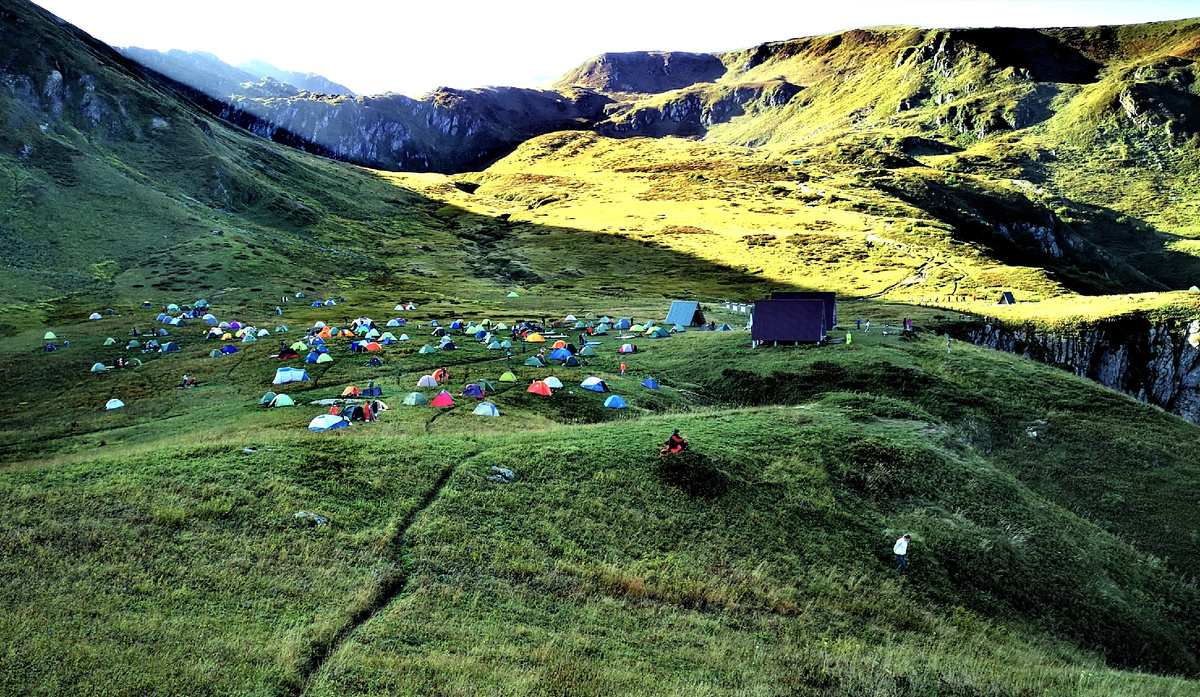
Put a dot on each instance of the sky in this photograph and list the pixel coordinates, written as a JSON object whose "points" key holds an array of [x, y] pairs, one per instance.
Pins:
{"points": [[411, 47]]}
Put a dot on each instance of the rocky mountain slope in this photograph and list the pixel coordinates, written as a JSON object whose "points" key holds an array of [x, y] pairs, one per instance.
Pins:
{"points": [[219, 80]]}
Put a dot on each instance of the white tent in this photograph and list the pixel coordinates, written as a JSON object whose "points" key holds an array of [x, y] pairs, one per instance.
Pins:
{"points": [[114, 403], [286, 375]]}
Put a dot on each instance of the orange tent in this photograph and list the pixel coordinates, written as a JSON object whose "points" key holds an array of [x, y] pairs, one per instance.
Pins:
{"points": [[439, 375], [345, 333], [535, 338], [559, 344], [443, 400], [325, 333], [373, 346], [539, 387], [351, 391]]}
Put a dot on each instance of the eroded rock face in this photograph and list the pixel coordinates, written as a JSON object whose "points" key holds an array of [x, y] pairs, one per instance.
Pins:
{"points": [[644, 72], [691, 112], [1157, 364]]}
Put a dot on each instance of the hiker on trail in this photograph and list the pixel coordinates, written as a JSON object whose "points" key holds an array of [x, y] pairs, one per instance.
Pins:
{"points": [[622, 367], [901, 550], [859, 327], [868, 329], [676, 443]]}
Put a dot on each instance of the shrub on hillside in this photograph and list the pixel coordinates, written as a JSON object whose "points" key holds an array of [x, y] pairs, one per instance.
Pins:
{"points": [[698, 475]]}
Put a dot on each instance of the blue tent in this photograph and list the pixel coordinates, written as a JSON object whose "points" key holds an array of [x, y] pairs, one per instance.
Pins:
{"points": [[286, 375], [472, 390], [481, 333], [50, 347], [650, 383], [622, 324], [456, 325], [535, 362], [330, 303], [393, 323], [325, 422], [210, 320], [316, 303], [162, 318], [227, 348], [486, 409], [170, 346], [321, 348], [433, 323], [594, 384], [560, 354], [312, 357], [614, 402]]}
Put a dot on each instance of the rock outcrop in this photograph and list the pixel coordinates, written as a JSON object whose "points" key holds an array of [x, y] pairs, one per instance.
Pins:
{"points": [[1155, 363]]}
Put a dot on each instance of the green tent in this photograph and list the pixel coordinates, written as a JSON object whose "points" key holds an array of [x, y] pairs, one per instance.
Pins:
{"points": [[508, 377], [486, 385], [637, 328], [299, 346], [49, 336], [535, 362], [136, 361], [494, 346], [677, 329], [134, 344], [415, 399], [506, 344], [580, 325], [98, 368], [267, 398], [501, 326], [324, 358], [283, 401], [109, 341], [587, 351], [363, 329], [386, 336], [427, 349], [602, 329], [215, 354], [172, 308], [281, 328], [513, 294], [660, 333]]}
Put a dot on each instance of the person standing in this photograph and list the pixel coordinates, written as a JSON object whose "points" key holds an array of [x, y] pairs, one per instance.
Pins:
{"points": [[868, 329], [859, 327], [901, 551], [622, 367]]}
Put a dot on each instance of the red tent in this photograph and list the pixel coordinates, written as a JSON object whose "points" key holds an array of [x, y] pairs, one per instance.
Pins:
{"points": [[539, 387], [442, 400], [374, 347]]}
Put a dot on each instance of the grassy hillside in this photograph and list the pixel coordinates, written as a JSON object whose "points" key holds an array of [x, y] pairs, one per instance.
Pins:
{"points": [[1047, 513]]}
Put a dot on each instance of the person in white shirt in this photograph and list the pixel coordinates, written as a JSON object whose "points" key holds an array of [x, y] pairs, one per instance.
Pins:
{"points": [[901, 550]]}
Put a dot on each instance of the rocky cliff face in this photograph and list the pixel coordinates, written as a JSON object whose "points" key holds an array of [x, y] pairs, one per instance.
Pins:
{"points": [[1155, 363], [692, 111]]}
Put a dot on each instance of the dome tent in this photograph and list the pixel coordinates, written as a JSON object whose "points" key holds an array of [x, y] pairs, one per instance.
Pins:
{"points": [[426, 381], [113, 403], [486, 409], [266, 399], [614, 402], [415, 399], [553, 382], [442, 400], [326, 422], [99, 367], [539, 387], [508, 377], [650, 383], [594, 384]]}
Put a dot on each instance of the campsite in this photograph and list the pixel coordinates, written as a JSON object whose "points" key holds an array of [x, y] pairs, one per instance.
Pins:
{"points": [[855, 365]]}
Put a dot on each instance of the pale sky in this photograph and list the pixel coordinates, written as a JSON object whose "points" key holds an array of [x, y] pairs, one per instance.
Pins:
{"points": [[411, 47]]}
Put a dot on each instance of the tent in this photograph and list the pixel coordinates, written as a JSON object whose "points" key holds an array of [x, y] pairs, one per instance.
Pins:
{"points": [[99, 368], [114, 403], [49, 336], [215, 354], [685, 313], [282, 401], [427, 349], [486, 385], [600, 330], [481, 333], [374, 362], [472, 390], [637, 328], [535, 338], [403, 337], [724, 328], [263, 332], [553, 382], [354, 413], [228, 349], [267, 399], [110, 341], [556, 324], [373, 347], [426, 381], [535, 362], [614, 402], [327, 422], [650, 383], [286, 375], [539, 387], [580, 325], [330, 303], [456, 324], [594, 384], [571, 362], [415, 399], [587, 351], [508, 377], [161, 332], [500, 326], [660, 333], [351, 391], [678, 329], [312, 357], [393, 323], [298, 346], [622, 324], [235, 325], [559, 344], [95, 315], [324, 358], [513, 294], [134, 344], [447, 345], [506, 344], [170, 346], [209, 319], [569, 318], [494, 346], [442, 400], [248, 338], [486, 409], [560, 354], [386, 337], [281, 328], [223, 325], [433, 323], [1006, 298], [627, 348]]}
